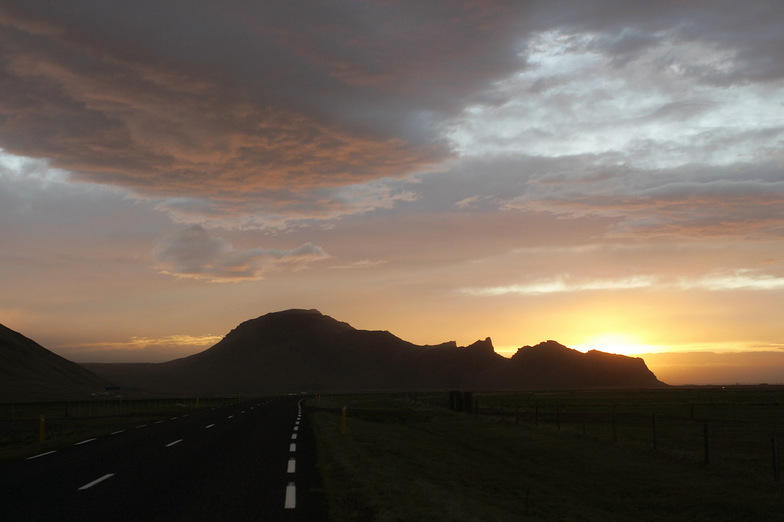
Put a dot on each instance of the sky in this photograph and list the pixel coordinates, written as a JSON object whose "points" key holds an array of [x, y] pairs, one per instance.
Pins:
{"points": [[604, 173]]}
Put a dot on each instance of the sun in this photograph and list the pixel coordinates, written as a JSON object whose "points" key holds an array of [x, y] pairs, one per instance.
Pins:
{"points": [[621, 344]]}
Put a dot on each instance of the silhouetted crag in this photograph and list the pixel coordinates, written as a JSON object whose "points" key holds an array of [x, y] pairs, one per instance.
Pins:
{"points": [[28, 372], [303, 350]]}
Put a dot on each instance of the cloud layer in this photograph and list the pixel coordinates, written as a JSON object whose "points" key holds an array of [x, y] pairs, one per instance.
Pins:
{"points": [[192, 252]]}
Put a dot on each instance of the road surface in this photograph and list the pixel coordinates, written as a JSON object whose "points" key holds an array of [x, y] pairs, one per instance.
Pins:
{"points": [[252, 460]]}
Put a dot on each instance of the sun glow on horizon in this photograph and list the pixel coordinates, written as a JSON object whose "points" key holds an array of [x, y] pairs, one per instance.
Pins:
{"points": [[617, 343]]}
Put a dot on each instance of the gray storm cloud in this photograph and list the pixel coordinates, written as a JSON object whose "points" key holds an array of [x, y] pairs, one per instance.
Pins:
{"points": [[229, 98], [270, 113]]}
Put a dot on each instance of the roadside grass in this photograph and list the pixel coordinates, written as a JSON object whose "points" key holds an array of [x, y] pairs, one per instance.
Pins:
{"points": [[401, 461], [71, 422]]}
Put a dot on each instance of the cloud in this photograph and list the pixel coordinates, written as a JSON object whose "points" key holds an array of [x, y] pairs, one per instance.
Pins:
{"points": [[563, 284], [740, 279], [141, 349], [187, 99], [193, 253]]}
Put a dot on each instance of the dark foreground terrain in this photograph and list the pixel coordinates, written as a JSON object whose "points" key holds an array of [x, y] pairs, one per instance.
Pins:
{"points": [[554, 456]]}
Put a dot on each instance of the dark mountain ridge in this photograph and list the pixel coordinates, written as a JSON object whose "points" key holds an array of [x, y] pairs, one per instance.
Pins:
{"points": [[304, 350], [28, 371]]}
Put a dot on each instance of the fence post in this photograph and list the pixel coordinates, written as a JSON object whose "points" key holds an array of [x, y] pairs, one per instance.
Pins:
{"points": [[775, 458]]}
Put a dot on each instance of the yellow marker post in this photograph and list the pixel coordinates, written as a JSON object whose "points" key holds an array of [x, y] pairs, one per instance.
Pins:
{"points": [[43, 429], [343, 421]]}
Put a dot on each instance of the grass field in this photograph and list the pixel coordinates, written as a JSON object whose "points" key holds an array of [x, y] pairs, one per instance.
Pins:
{"points": [[553, 456]]}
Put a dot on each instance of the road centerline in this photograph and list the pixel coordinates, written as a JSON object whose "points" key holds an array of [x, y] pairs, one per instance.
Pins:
{"points": [[291, 496]]}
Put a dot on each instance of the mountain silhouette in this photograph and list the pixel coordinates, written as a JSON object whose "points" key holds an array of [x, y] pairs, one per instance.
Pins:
{"points": [[28, 371], [304, 350]]}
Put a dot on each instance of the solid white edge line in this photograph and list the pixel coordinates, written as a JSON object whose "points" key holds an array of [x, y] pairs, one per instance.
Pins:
{"points": [[41, 455], [96, 481], [84, 442], [291, 496], [169, 445]]}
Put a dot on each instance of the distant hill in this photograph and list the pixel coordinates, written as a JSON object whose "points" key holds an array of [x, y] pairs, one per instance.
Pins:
{"points": [[304, 350], [28, 372]]}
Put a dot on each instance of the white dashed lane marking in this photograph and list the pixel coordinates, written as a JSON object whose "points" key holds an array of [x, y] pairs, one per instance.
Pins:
{"points": [[96, 481], [41, 455], [291, 496], [169, 445]]}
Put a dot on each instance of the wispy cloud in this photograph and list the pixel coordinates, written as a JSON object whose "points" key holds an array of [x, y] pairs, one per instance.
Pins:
{"points": [[737, 280], [562, 284], [143, 343], [193, 253], [138, 349]]}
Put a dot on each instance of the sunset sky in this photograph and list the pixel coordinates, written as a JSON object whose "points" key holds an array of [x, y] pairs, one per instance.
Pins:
{"points": [[607, 174]]}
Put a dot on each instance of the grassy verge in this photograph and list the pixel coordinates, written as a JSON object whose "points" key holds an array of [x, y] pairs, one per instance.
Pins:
{"points": [[398, 461]]}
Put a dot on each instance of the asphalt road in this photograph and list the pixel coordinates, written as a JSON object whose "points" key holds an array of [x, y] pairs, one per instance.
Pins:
{"points": [[253, 460]]}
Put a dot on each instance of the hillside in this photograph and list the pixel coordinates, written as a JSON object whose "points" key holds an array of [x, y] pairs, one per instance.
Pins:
{"points": [[29, 372], [304, 350]]}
